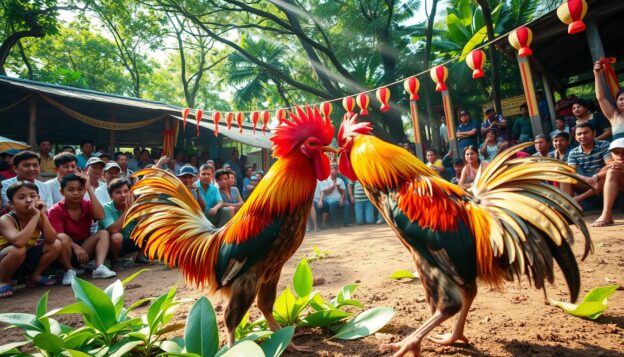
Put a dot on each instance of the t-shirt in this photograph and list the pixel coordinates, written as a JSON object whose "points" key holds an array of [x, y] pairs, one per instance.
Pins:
{"points": [[491, 151], [211, 196], [437, 165], [54, 186], [599, 122], [102, 194], [111, 215], [233, 195], [334, 195], [500, 132], [557, 131], [522, 127], [47, 165], [44, 192], [81, 161], [555, 155], [62, 222], [100, 184], [32, 240], [470, 140], [590, 163], [358, 191]]}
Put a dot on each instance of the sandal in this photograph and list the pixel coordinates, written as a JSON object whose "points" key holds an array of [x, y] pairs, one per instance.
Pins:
{"points": [[42, 282], [6, 291], [602, 223]]}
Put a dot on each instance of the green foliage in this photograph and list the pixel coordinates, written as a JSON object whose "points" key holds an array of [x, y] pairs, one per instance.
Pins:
{"points": [[404, 274], [317, 254], [366, 323], [593, 304]]}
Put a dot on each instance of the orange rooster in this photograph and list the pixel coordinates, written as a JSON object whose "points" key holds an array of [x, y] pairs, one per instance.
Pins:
{"points": [[244, 258], [511, 222]]}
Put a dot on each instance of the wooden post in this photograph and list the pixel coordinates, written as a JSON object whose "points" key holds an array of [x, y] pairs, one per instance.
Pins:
{"points": [[32, 122], [450, 124], [529, 94], [265, 160], [548, 94], [597, 51], [416, 127]]}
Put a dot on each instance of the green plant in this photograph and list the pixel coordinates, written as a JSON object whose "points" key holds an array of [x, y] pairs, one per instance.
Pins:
{"points": [[317, 254], [593, 304], [404, 274]]}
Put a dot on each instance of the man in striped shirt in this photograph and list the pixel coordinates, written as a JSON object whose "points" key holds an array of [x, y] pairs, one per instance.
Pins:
{"points": [[588, 158]]}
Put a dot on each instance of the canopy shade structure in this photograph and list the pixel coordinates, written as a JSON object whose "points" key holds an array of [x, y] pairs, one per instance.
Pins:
{"points": [[8, 144]]}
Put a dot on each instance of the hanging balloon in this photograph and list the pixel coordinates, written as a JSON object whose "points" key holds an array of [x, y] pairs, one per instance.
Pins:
{"points": [[348, 103], [362, 102], [412, 85], [185, 113], [520, 39], [326, 108], [198, 116], [229, 117], [266, 116], [439, 75], [572, 13], [383, 95], [281, 115], [255, 116], [240, 116], [216, 116], [475, 60]]}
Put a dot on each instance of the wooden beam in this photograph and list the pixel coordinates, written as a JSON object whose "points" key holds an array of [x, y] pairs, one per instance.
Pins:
{"points": [[32, 122], [548, 94]]}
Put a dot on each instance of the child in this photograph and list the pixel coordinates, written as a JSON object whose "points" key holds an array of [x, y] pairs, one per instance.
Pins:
{"points": [[72, 219], [20, 231]]}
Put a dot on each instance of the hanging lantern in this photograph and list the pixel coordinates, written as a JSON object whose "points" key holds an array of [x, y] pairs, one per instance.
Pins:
{"points": [[198, 116], [229, 117], [185, 113], [239, 120], [255, 116], [280, 115], [348, 103], [439, 75], [412, 85], [572, 13], [383, 95], [362, 102], [326, 108], [520, 39], [475, 60], [216, 116], [266, 116]]}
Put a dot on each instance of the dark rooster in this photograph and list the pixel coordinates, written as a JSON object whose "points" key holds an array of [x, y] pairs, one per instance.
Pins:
{"points": [[511, 222], [244, 258]]}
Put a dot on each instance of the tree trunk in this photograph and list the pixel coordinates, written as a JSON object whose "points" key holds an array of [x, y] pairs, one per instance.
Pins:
{"points": [[432, 122], [7, 45], [487, 16]]}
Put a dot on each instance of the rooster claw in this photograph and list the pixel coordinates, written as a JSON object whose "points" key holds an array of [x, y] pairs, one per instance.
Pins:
{"points": [[298, 348], [402, 348], [448, 339]]}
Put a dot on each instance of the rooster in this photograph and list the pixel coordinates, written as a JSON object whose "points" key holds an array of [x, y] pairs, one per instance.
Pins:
{"points": [[511, 222], [244, 258]]}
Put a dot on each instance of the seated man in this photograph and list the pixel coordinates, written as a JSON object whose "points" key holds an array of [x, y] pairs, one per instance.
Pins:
{"points": [[561, 143], [114, 214], [72, 219], [542, 145], [111, 171], [588, 159], [20, 231], [458, 167], [613, 174], [433, 162], [27, 168], [232, 199], [333, 196], [214, 208], [64, 163]]}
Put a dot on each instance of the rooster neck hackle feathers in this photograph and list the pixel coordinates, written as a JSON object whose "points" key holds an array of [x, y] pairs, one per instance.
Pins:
{"points": [[305, 123]]}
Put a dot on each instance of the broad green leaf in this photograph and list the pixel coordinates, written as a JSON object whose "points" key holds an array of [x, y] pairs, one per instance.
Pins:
{"points": [[202, 334], [473, 42], [244, 349], [156, 314], [275, 345], [283, 307], [140, 303], [593, 304], [344, 296], [11, 348], [366, 323], [465, 12], [75, 308], [302, 279], [75, 353], [174, 346], [122, 348], [131, 277], [170, 328], [115, 292], [319, 304], [24, 321], [403, 274], [125, 325], [254, 336], [102, 310], [78, 339], [48, 342], [41, 310], [324, 318]]}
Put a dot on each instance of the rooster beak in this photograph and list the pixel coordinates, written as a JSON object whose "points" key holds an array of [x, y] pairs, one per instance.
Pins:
{"points": [[330, 149]]}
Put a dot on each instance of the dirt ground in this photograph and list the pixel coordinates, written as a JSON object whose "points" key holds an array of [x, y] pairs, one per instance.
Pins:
{"points": [[515, 322]]}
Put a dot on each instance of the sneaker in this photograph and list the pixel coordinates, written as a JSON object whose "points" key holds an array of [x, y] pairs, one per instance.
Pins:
{"points": [[68, 277], [102, 272]]}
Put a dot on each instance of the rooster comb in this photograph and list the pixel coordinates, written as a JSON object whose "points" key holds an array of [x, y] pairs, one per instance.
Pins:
{"points": [[350, 127], [304, 123]]}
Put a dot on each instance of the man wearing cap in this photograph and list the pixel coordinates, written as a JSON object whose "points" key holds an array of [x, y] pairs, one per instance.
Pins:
{"points": [[496, 122], [466, 132], [27, 168], [188, 176], [7, 169], [112, 170], [95, 171], [613, 174]]}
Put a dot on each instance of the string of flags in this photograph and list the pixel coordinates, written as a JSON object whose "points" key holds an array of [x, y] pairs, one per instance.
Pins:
{"points": [[571, 12]]}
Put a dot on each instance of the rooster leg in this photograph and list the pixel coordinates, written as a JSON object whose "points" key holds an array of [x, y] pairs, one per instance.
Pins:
{"points": [[411, 344], [266, 298], [241, 295], [458, 330]]}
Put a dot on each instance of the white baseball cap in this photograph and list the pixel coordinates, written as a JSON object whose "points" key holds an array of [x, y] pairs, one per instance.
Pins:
{"points": [[617, 144]]}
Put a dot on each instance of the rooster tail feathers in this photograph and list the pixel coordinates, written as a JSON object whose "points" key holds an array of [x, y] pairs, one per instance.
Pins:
{"points": [[528, 218], [172, 227]]}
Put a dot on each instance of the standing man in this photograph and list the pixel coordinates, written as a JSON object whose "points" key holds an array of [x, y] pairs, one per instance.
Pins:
{"points": [[444, 137], [86, 151], [27, 168], [466, 132], [522, 130], [235, 166], [47, 161], [122, 159]]}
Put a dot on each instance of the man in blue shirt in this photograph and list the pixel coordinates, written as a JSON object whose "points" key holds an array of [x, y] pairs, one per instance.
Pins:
{"points": [[466, 132], [86, 149], [495, 122], [215, 209]]}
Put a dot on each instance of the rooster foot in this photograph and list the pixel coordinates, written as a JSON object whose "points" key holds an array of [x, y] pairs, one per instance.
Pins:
{"points": [[298, 348], [448, 339], [410, 345]]}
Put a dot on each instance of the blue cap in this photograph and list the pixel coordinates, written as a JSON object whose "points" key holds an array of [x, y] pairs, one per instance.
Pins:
{"points": [[187, 170]]}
